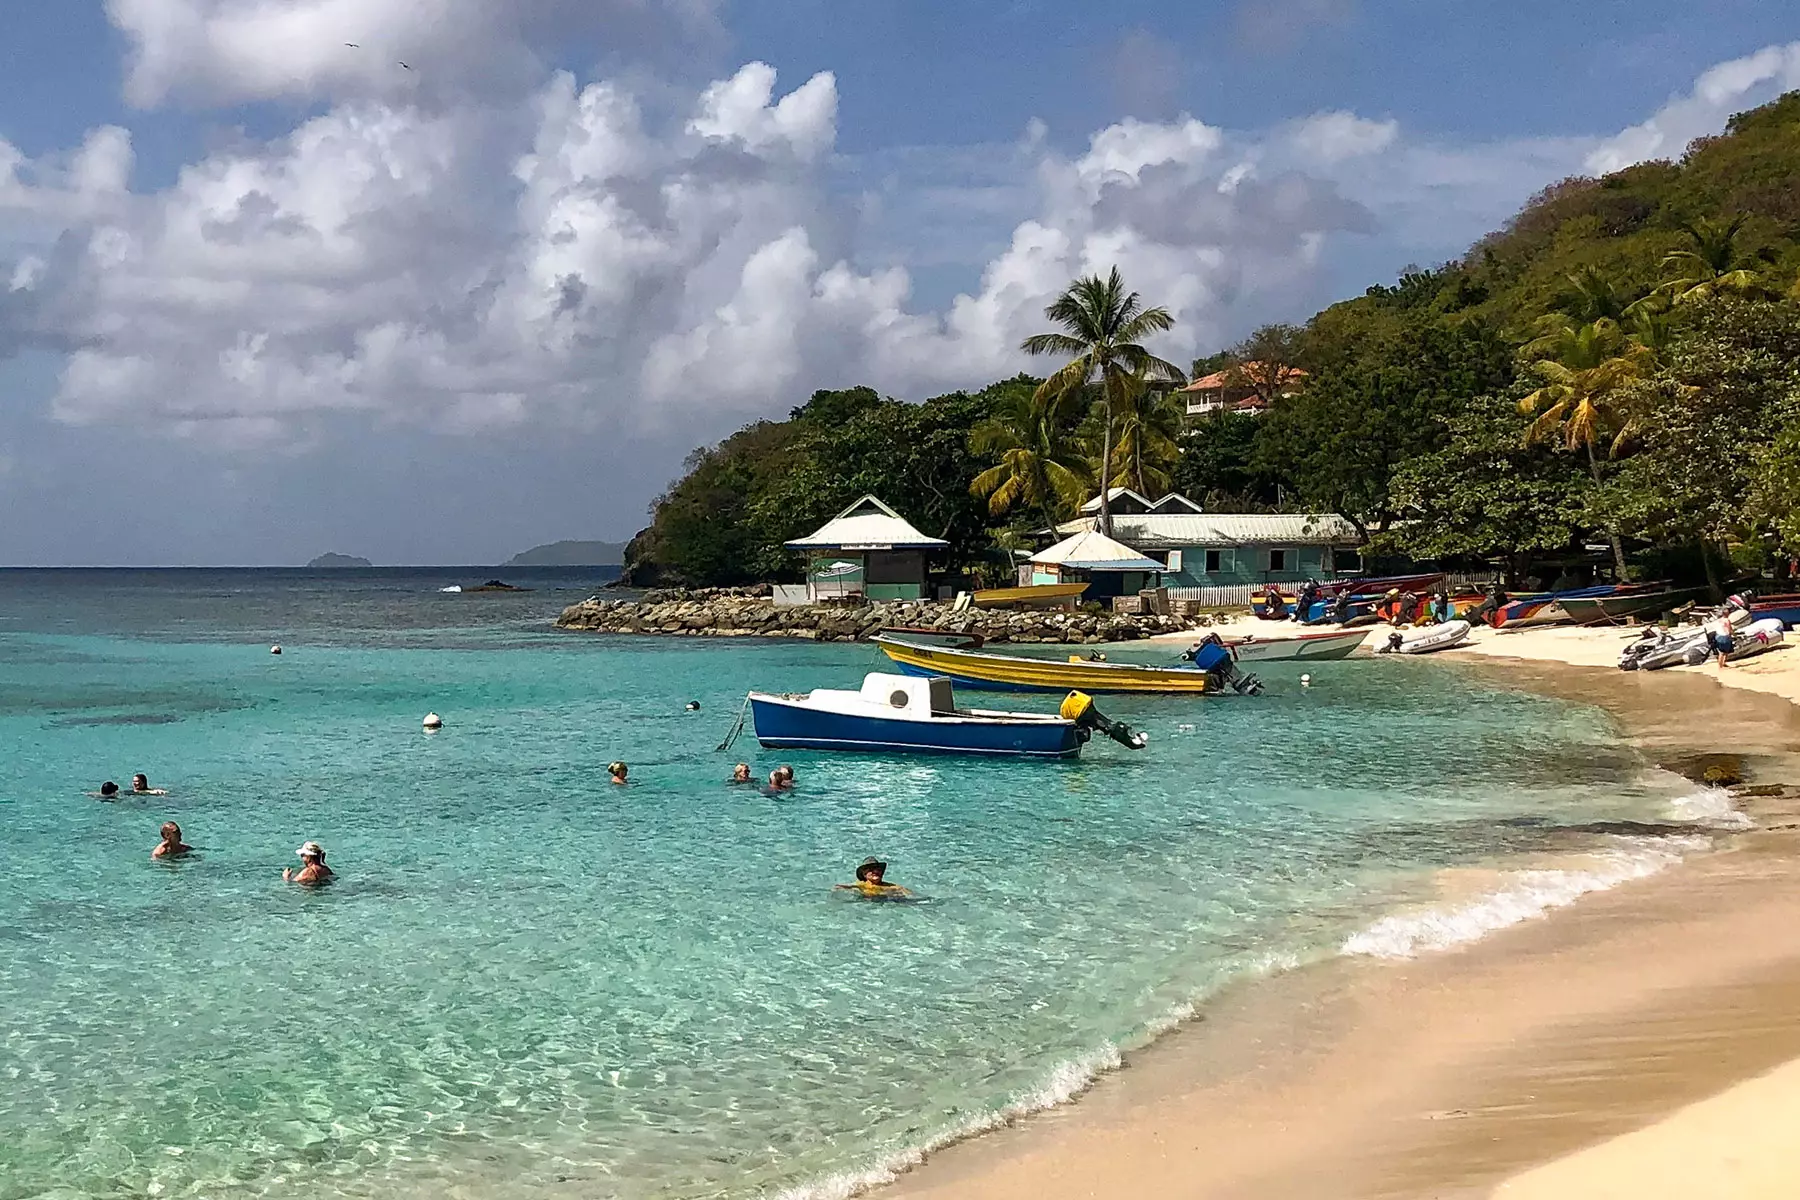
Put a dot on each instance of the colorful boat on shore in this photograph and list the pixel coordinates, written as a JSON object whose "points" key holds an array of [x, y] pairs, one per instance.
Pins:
{"points": [[1784, 608], [1547, 608], [1039, 595], [1622, 606], [1211, 671], [904, 713]]}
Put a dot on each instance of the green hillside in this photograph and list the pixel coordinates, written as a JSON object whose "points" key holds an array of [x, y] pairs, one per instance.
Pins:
{"points": [[1616, 364]]}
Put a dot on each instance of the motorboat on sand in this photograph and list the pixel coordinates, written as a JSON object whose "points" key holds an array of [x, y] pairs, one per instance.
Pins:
{"points": [[1426, 639]]}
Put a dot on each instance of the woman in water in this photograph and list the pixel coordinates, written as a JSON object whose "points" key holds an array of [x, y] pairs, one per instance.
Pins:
{"points": [[171, 845], [781, 779], [618, 771], [741, 773], [313, 870], [140, 786], [871, 883]]}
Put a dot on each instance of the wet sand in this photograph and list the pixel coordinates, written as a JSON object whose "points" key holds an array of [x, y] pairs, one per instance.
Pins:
{"points": [[1547, 1060]]}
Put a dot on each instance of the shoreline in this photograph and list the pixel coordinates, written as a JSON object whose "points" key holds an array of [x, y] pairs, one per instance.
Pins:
{"points": [[1360, 1075]]}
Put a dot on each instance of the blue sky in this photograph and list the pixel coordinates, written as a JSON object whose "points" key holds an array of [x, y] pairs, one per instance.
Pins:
{"points": [[264, 295]]}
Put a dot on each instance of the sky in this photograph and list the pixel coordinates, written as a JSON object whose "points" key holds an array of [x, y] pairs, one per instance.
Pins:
{"points": [[434, 281]]}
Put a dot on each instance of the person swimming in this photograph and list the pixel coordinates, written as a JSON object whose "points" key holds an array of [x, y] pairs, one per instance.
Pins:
{"points": [[313, 870], [781, 779], [871, 882], [171, 845], [108, 791], [693, 706], [618, 771], [140, 786], [741, 773]]}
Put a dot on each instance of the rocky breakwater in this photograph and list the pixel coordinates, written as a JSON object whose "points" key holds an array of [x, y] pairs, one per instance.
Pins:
{"points": [[749, 612]]}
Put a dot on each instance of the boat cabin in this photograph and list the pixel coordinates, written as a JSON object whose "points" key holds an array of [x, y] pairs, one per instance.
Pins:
{"points": [[911, 695]]}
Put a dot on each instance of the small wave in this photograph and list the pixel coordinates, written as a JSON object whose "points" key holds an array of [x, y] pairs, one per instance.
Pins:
{"points": [[1067, 1081], [1522, 896], [1711, 807], [455, 587]]}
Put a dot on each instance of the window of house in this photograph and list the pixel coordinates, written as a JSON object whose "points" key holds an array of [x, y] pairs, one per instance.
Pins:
{"points": [[1278, 560], [1213, 562], [1346, 560], [1174, 562]]}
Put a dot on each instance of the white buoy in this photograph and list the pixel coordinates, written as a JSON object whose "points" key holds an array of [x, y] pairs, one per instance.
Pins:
{"points": [[1306, 681], [274, 649], [433, 721]]}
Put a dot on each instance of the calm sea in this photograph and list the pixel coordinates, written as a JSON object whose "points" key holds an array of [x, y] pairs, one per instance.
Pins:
{"points": [[530, 982]]}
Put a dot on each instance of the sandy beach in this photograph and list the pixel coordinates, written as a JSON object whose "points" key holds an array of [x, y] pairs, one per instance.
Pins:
{"points": [[1638, 1042]]}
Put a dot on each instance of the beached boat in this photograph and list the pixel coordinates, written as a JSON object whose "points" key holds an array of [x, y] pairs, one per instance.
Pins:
{"points": [[1427, 639], [1622, 606], [1305, 647], [925, 635], [1212, 671], [1039, 595], [919, 715], [1756, 638], [1546, 608], [1785, 608]]}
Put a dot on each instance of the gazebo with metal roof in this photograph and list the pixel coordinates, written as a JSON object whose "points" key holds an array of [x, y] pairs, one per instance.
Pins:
{"points": [[868, 550], [1110, 568]]}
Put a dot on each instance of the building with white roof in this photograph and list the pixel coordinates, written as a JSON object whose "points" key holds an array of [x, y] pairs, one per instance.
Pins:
{"points": [[869, 550], [1110, 568], [1202, 549]]}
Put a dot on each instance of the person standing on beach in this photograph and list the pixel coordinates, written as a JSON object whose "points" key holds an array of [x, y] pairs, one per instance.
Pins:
{"points": [[171, 845], [313, 870]]}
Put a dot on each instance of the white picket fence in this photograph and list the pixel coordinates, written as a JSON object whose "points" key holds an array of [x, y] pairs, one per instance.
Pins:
{"points": [[1236, 595]]}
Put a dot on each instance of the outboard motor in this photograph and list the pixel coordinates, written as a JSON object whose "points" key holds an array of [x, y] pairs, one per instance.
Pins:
{"points": [[1079, 708], [1394, 642], [1214, 657]]}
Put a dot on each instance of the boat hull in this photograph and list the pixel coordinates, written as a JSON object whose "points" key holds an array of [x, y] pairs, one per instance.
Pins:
{"points": [[1312, 647], [934, 637], [1600, 610], [790, 726], [1004, 673], [1042, 595]]}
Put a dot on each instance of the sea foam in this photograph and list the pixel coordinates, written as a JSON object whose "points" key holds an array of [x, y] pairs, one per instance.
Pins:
{"points": [[1520, 896]]}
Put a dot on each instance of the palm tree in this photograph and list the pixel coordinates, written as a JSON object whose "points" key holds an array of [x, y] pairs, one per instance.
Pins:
{"points": [[1712, 263], [1148, 423], [1585, 368], [1103, 327], [1038, 468]]}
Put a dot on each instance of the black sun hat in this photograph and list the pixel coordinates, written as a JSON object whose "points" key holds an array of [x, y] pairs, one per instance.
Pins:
{"points": [[869, 865]]}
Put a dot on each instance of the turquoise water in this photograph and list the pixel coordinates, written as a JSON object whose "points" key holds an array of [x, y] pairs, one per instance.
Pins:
{"points": [[528, 981]]}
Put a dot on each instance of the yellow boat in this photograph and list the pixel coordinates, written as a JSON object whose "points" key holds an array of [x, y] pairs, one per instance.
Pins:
{"points": [[1007, 673], [1040, 595]]}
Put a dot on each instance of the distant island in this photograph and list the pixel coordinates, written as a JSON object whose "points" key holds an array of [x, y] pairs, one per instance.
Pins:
{"points": [[337, 560], [570, 554]]}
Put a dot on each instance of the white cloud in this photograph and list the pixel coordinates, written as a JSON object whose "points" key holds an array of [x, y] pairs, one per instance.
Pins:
{"points": [[1719, 92], [592, 255], [236, 50], [1331, 137]]}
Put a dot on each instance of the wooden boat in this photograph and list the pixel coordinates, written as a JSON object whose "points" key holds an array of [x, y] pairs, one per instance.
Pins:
{"points": [[919, 715], [1038, 595], [1009, 673], [1305, 647], [1611, 609], [925, 635], [1274, 601], [1785, 608]]}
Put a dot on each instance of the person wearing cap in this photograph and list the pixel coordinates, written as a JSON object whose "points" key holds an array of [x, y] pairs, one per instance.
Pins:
{"points": [[741, 773], [871, 883], [171, 845], [140, 786], [312, 870], [618, 771]]}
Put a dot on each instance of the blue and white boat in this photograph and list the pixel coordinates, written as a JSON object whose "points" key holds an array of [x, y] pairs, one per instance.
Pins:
{"points": [[905, 713]]}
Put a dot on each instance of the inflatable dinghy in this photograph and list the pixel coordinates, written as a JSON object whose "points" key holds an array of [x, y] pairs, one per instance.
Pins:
{"points": [[1756, 638], [1427, 638]]}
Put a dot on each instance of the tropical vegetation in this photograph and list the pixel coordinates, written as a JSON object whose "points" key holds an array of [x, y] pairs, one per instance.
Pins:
{"points": [[1613, 376]]}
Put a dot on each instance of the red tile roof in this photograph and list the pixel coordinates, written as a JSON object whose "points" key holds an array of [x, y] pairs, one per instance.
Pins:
{"points": [[1218, 379]]}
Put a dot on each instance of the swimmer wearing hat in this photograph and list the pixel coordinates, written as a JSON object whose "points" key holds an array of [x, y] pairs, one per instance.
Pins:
{"points": [[313, 870], [871, 883]]}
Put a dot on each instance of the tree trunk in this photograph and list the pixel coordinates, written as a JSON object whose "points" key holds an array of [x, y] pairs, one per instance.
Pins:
{"points": [[1105, 460], [1712, 571], [1618, 547]]}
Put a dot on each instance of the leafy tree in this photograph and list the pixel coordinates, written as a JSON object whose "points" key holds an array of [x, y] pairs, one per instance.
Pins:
{"points": [[1488, 493], [1374, 406], [1267, 361], [1146, 424], [1713, 263], [1217, 466], [1039, 468], [1103, 327]]}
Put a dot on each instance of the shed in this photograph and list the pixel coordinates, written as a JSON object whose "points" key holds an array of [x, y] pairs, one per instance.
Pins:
{"points": [[1110, 568], [866, 550]]}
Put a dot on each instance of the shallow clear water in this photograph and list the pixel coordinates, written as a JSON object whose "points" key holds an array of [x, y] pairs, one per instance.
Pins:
{"points": [[530, 981]]}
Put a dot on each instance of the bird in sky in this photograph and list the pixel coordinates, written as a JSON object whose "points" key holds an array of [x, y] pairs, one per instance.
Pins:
{"points": [[405, 65], [354, 45]]}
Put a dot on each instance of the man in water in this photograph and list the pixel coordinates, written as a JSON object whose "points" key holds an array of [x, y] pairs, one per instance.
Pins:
{"points": [[871, 882], [618, 771], [781, 779], [140, 786], [313, 870], [741, 773], [171, 845], [108, 791]]}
